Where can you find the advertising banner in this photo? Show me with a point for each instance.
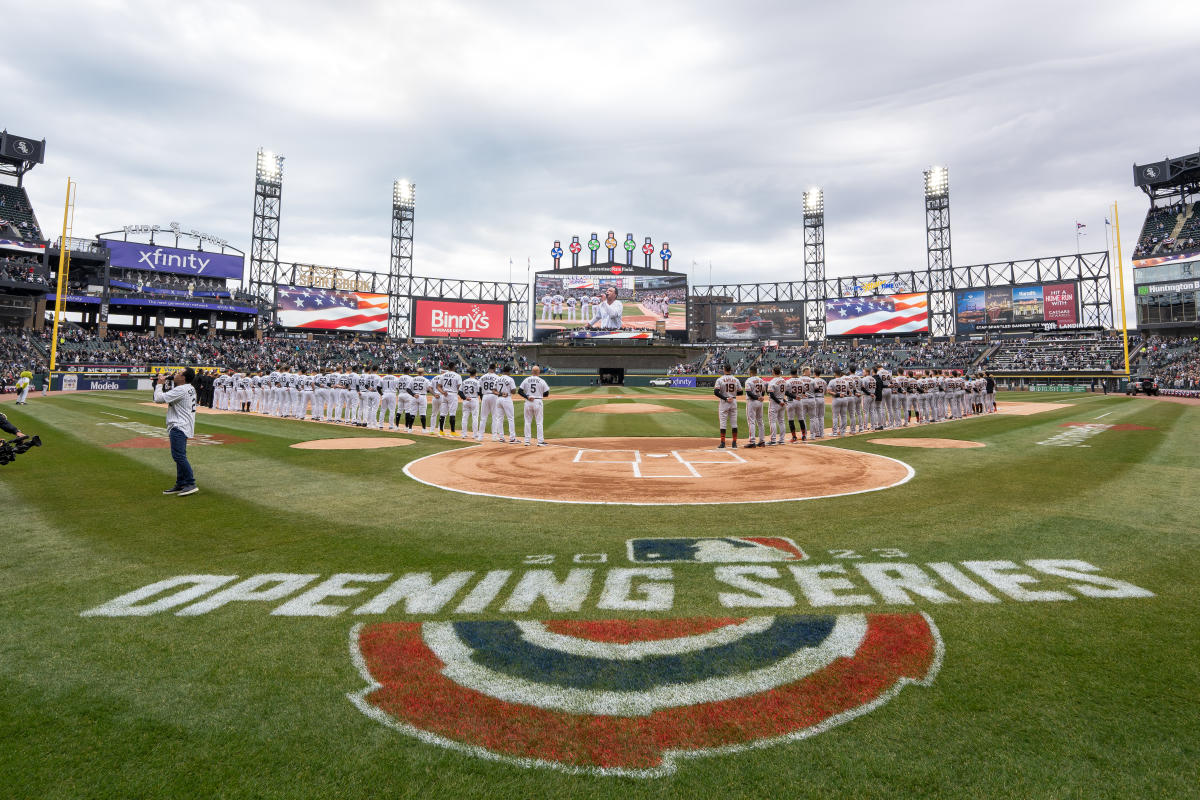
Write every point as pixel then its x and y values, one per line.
pixel 755 321
pixel 569 301
pixel 683 383
pixel 134 255
pixel 874 316
pixel 1014 308
pixel 190 304
pixel 463 319
pixel 331 309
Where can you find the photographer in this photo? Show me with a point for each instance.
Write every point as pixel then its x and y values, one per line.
pixel 181 425
pixel 8 427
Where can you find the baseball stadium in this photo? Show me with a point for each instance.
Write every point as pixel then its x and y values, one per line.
pixel 605 531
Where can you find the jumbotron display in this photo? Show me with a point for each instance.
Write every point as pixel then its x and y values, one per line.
pixel 748 322
pixel 609 300
pixel 1046 306
pixel 877 316
pixel 458 319
pixel 331 309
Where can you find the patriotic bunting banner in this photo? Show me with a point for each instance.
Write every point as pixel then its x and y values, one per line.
pixel 329 309
pixel 867 316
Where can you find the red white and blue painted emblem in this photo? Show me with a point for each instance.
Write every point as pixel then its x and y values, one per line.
pixel 631 697
pixel 714 549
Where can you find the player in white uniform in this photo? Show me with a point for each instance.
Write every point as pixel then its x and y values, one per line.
pixel 547 304
pixel 571 307
pixel 756 390
pixel 372 399
pixel 388 385
pixel 609 314
pixel 468 391
pixel 558 306
pixel 446 388
pixel 418 387
pixel 727 388
pixel 778 408
pixel 504 406
pixel 533 389
pixel 405 402
pixel 488 384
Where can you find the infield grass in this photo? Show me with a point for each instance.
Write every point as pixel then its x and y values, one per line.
pixel 1088 698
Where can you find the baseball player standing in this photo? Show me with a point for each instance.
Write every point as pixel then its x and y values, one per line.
pixel 755 388
pixel 488 385
pixel 405 402
pixel 388 385
pixel 504 406
pixel 469 392
pixel 839 387
pixel 795 391
pixel 727 388
pixel 777 411
pixel 534 389
pixel 817 422
pixel 372 399
pixel 418 387
pixel 446 387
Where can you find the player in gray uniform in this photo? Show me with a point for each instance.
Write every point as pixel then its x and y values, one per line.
pixel 727 388
pixel 794 389
pixel 468 392
pixel 446 388
pixel 488 384
pixel 778 406
pixel 504 405
pixel 839 387
pixel 853 409
pixel 882 409
pixel 533 389
pixel 756 389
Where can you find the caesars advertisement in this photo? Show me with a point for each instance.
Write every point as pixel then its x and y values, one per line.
pixel 1045 306
pixel 742 322
pixel 576 302
pixel 460 319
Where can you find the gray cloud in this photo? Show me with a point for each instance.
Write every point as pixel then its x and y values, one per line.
pixel 523 122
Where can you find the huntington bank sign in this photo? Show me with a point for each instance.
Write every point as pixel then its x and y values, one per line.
pixel 449 318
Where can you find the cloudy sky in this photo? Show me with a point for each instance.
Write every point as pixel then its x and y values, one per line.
pixel 700 123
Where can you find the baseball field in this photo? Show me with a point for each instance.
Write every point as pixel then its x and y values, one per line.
pixel 1009 610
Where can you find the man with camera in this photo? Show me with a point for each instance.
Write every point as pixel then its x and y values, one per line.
pixel 181 403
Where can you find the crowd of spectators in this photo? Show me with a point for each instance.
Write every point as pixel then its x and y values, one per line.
pixel 273 352
pixel 17 353
pixel 22 269
pixel 1173 361
pixel 1157 235
pixel 16 215
pixel 1093 352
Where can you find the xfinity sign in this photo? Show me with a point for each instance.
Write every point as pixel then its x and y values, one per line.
pixel 134 255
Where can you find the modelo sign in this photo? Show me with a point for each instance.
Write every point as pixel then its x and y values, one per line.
pixel 458 319
pixel 132 255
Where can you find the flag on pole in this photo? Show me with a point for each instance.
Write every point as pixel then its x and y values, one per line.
pixel 1079 226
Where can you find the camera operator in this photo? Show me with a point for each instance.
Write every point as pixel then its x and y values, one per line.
pixel 181 425
pixel 8 427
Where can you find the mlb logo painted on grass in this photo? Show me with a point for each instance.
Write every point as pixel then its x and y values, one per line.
pixel 622 697
pixel 714 550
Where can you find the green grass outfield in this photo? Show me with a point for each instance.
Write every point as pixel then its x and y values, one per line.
pixel 1078 696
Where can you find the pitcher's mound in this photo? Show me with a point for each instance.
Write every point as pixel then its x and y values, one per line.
pixel 950 444
pixel 657 471
pixel 626 408
pixel 356 443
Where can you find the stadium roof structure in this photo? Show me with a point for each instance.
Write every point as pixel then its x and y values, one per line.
pixel 1170 177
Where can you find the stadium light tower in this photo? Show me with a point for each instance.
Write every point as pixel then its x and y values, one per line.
pixel 264 229
pixel 937 246
pixel 404 205
pixel 814 263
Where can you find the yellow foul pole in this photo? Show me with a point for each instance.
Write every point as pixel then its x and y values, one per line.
pixel 1121 273
pixel 64 264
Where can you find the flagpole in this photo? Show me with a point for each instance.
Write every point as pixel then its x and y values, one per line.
pixel 1121 273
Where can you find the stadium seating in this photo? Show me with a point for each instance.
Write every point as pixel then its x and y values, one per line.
pixel 1159 235
pixel 1173 361
pixel 1059 353
pixel 16 215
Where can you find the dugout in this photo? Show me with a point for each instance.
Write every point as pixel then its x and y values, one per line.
pixel 612 376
